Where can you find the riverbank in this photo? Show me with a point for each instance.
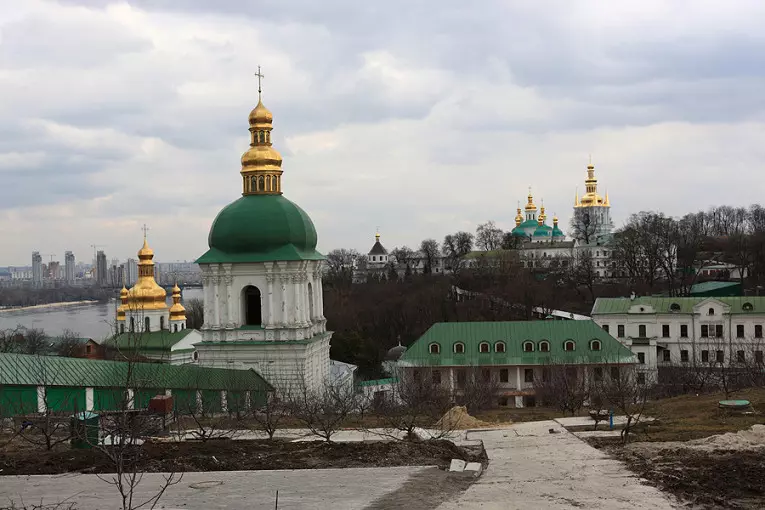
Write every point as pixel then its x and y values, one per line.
pixel 47 305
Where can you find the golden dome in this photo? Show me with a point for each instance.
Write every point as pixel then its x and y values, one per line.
pixel 518 216
pixel 260 114
pixel 123 303
pixel 177 311
pixel 591 198
pixel 146 294
pixel 530 205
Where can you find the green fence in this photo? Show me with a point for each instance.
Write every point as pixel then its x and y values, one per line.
pixel 18 400
pixel 63 398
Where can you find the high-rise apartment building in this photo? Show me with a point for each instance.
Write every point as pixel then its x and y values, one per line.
pixel 37 273
pixel 54 270
pixel 131 272
pixel 102 272
pixel 69 267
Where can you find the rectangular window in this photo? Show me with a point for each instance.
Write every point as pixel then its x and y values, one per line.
pixel 528 375
pixel 665 330
pixel 620 330
pixel 641 378
pixel 704 331
pixel 436 377
pixel 740 356
pixel 704 356
pixel 758 357
pixel 461 378
pixel 503 375
pixel 718 330
pixel 684 330
pixel 641 331
pixel 641 358
pixel 667 355
pixel 614 373
pixel 758 331
pixel 720 356
pixel 598 373
pixel 684 356
pixel 740 330
pixel 605 327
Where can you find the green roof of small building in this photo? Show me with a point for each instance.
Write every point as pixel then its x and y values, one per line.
pixel 715 288
pixel 260 228
pixel 154 341
pixel 605 306
pixel 31 370
pixel 514 335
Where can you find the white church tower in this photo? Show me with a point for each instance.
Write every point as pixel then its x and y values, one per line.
pixel 262 277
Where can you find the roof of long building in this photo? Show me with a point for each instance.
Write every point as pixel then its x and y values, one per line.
pixel 514 335
pixel 31 370
pixel 684 305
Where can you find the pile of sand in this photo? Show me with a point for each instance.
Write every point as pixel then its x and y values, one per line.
pixel 457 418
pixel 747 439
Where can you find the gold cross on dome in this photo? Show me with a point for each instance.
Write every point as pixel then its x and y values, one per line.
pixel 260 77
pixel 145 230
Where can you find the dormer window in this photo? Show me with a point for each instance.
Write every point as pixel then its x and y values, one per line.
pixel 674 307
pixel 711 311
pixel 747 307
pixel 459 348
pixel 595 345
pixel 544 346
pixel 484 347
pixel 528 346
pixel 434 349
pixel 499 347
pixel 569 345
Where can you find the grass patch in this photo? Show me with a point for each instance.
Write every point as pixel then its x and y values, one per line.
pixel 694 417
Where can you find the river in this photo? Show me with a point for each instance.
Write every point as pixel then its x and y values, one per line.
pixel 94 321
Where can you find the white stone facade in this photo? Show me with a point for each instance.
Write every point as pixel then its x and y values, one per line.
pixel 268 316
pixel 690 335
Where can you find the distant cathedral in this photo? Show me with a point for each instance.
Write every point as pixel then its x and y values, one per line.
pixel 533 227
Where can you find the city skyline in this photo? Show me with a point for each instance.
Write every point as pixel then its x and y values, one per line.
pixel 371 122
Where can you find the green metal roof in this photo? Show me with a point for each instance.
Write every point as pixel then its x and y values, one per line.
pixel 684 304
pixel 154 341
pixel 514 335
pixel 258 228
pixel 378 382
pixel 30 370
pixel 712 287
pixel 528 224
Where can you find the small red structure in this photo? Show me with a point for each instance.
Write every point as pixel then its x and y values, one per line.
pixel 161 404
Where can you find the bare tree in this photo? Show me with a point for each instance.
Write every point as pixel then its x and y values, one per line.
pixel 584 225
pixel 324 410
pixel 404 257
pixel 456 246
pixel 625 390
pixel 488 236
pixel 562 385
pixel 341 264
pixel 480 389
pixel 68 344
pixel 430 252
pixel 195 313
pixel 419 399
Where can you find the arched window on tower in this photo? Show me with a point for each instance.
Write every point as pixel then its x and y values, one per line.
pixel 162 323
pixel 122 328
pixel 310 301
pixel 268 183
pixel 132 324
pixel 261 183
pixel 146 324
pixel 251 302
pixel 175 328
pixel 268 137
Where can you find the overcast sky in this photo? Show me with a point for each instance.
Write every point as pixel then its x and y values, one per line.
pixel 421 117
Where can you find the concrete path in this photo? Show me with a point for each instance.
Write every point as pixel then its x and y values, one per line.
pixel 531 468
pixel 307 489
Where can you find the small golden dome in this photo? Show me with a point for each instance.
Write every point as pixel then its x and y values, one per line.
pixel 261 115
pixel 177 311
pixel 145 251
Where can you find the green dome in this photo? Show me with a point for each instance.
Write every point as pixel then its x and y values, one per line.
pixel 542 231
pixel 518 232
pixel 557 232
pixel 259 228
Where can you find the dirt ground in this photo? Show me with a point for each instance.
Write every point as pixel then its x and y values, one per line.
pixel 229 455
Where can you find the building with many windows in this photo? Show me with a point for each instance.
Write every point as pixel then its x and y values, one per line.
pixel 69 267
pixel 686 331
pixel 37 270
pixel 511 354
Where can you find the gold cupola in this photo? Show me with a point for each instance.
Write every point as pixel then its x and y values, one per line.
pixel 261 164
pixel 542 215
pixel 591 197
pixel 518 216
pixel 530 205
pixel 146 294
pixel 177 311
pixel 123 303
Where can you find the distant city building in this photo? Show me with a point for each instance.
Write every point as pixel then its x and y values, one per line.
pixel 69 267
pixel 37 273
pixel 131 272
pixel 101 269
pixel 178 272
pixel 20 273
pixel 54 270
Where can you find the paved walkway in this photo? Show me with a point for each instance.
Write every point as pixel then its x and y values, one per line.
pixel 531 468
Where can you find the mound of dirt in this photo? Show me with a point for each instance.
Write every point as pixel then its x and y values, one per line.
pixel 747 439
pixel 457 418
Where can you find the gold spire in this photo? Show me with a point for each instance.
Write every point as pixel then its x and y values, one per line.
pixel 177 311
pixel 607 203
pixel 261 164
pixel 518 216
pixel 576 198
pixel 591 197
pixel 123 302
pixel 542 215
pixel 555 220
pixel 146 294
pixel 377 235
pixel 530 205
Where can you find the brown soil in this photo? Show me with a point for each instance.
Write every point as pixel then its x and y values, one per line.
pixel 704 479
pixel 230 455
